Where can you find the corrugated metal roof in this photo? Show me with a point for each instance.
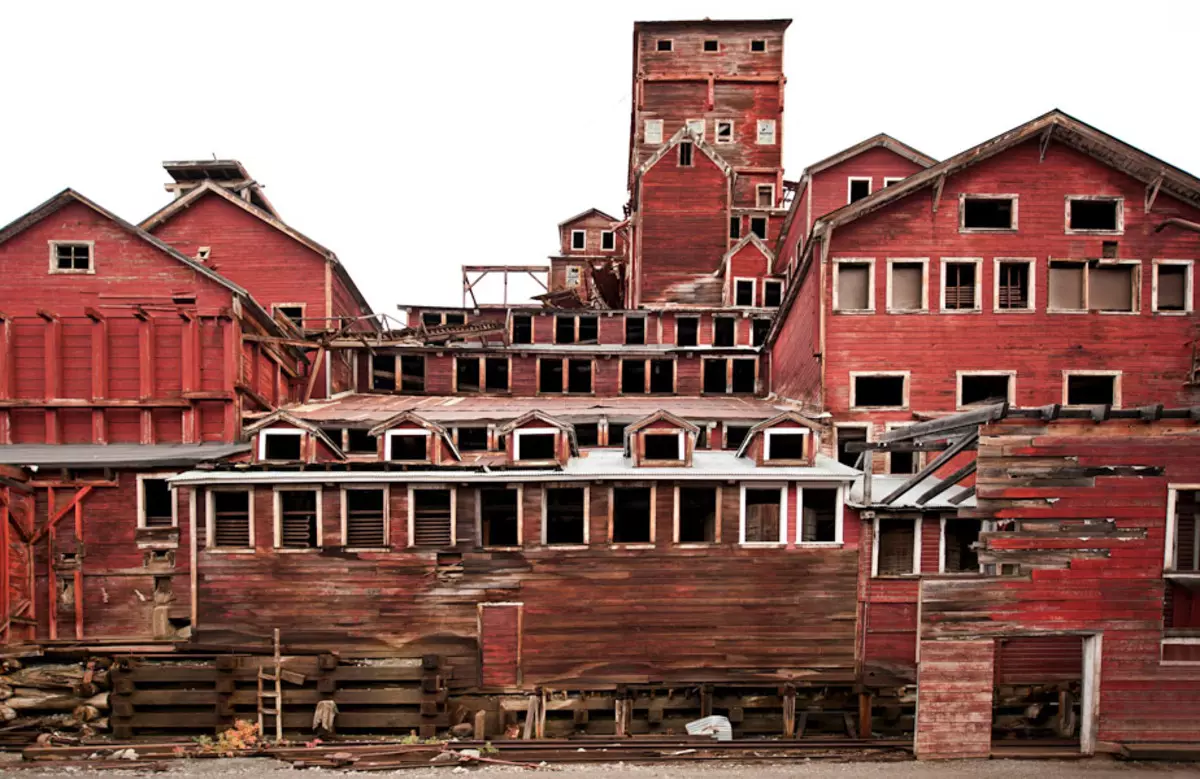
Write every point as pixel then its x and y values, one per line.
pixel 115 455
pixel 883 485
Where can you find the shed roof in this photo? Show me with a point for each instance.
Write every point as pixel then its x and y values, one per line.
pixel 116 455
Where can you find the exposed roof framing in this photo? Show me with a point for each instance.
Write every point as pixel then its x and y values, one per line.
pixel 231 173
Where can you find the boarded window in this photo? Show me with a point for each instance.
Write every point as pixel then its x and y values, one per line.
pixel 231 520
pixel 432 517
pixel 687 331
pixel 467 373
pixel 608 240
pixel 383 372
pixel 818 516
pixel 764 196
pixel 735 227
pixel 744 376
pixel 587 434
pixel 1172 287
pixel 772 293
pixel 409 447
pixel 766 132
pixel 758 226
pixel 360 441
pixel 859 188
pixel 550 374
pixel 496 374
pixel 156 503
pixel 1097 215
pixel 758 331
pixel 961 535
pixel 685 154
pixel 724 330
pixel 472 439
pixel 635 330
pixel 282 446
pixel 735 435
pixel 764 512
pixel 499 645
pixel 896 542
pixel 565 515
pixel 653 133
pixel 879 391
pixel 365 526
pixel 631 515
pixel 662 377
pixel 537 446
pixel 987 213
pixel 1013 286
pixel 853 286
pixel 633 377
pixel 785 445
pixel 985 388
pixel 412 373
pixel 579 376
pixel 1110 288
pixel 697 515
pixel 522 329
pixel 498 517
pixel 662 446
pixel 578 239
pixel 743 292
pixel 959 292
pixel 1085 390
pixel 564 329
pixel 1066 285
pixel 298 519
pixel 908 286
pixel 845 437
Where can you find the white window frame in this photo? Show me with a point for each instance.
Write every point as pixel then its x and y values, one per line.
pixel 387 444
pixel 279 431
pixel 520 488
pixel 1135 282
pixel 776 282
pixel 670 45
pixel 587 514
pixel 889 180
pixel 850 186
pixel 1188 288
pixel 855 375
pixel 978 263
pixel 918 457
pixel 717 131
pixel 303 311
pixel 1050 308
pixel 962 212
pixel 758 188
pixel 783 512
pixel 1118 199
pixel 210 520
pixel 652 132
pixel 750 46
pixel 583 248
pixel 704 49
pixel 870 428
pixel 753 293
pixel 839 511
pixel 766 227
pixel 681 447
pixel 716 519
pixel 277 505
pixel 412 511
pixel 696 127
pixel 870 263
pixel 203 253
pixel 924 262
pixel 958 385
pixel 984 527
pixel 765 125
pixel 611 237
pixel 91 268
pixel 917 532
pixel 768 435
pixel 1031 262
pixel 1170 562
pixel 1066 374
pixel 387 516
pixel 517 434
pixel 141 497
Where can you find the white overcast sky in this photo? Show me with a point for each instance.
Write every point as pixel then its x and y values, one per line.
pixel 414 138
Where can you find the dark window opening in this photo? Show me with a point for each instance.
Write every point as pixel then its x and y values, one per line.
pixel 758 331
pixel 902 463
pixel 685 154
pixel 293 313
pixel 758 226
pixel 1109 249
pixel 1091 390
pixel 1172 287
pixel 412 373
pixel 959 292
pixel 987 213
pixel 785 446
pixel 383 372
pixel 496 374
pixel 472 439
pixel 537 446
pixel 715 376
pixel 984 389
pixel 498 517
pixel 550 374
pixel 608 240
pixel 763 515
pixel 818 521
pixel 859 188
pixel 432 518
pixel 697 515
pixel 664 45
pixel 578 239
pixel 361 442
pixel 616 433
pixel 725 133
pixel 298 519
pixel 73 256
pixel 758 45
pixel 579 376
pixel 1095 215
pixel 1014 286
pixel 724 329
pixel 231 519
pixel 281 446
pixel 1066 286
pixel 633 377
pixel 365 526
pixel 429 319
pixel 772 294
pixel 587 434
pixel 961 537
pixel 878 391
pixel 1110 288
pixel 635 330
pixel 743 292
pixel 662 446
pixel 631 515
pixel 565 515
pixel 457 318
pixel 845 437
pixel 564 329
pixel 853 286
pixel 589 329
pixel 896 544
pixel 467 374
pixel 744 376
pixel 687 331
pixel 522 329
pixel 711 45
pixel 662 377
pixel 735 227
pixel 409 447
pixel 157 503
pixel 735 435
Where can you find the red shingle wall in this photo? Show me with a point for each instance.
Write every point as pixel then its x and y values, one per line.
pixel 954 709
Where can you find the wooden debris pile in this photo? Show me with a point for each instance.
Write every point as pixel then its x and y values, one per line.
pixel 37 700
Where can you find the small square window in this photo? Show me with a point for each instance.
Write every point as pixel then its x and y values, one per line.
pixel 360 441
pixel 281 445
pixel 616 433
pixel 906 286
pixel 696 127
pixel 71 256
pixel 857 189
pixel 845 437
pixel 608 240
pixel 587 434
pixel 432 319
pixel 1172 287
pixel 785 445
pixel 712 45
pixel 664 45
pixel 456 318
pixel 408 447
pixel 724 131
pixel 958 286
pixel 1013 286
pixel 1094 215
pixel 758 46
pixel 578 239
pixel 735 435
pixel 758 226
pixel 988 213
pixel 1112 288
pixel 294 313
pixel 766 132
pixel 589 329
pixel 472 439
pixel 1092 390
pixel 772 293
pixel 685 154
pixel 743 292
pixel 764 196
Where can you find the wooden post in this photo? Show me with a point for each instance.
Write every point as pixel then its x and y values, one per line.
pixel 5 561
pixel 789 711
pixel 480 732
pixel 864 715
pixel 121 702
pixel 51 579
pixel 79 552
pixel 706 700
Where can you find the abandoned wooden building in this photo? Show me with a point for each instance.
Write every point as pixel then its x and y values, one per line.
pixel 787 451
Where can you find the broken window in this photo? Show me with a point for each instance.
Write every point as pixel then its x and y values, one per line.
pixel 408 447
pixel 879 391
pixel 743 292
pixel 635 330
pixel 697 515
pixel 550 374
pixel 282 445
pixel 785 445
pixel 633 377
pixel 631 515
pixel 711 45
pixel 360 441
pixel 536 446
pixel 466 370
pixel 959 539
pixel 662 377
pixel 958 293
pixel 1094 215
pixel 522 329
pixel 984 388
pixel 365 524
pixel 663 446
pixel 735 436
pixel 907 286
pixel 890 180
pixel 685 154
pixel 566 515
pixel 845 437
pixel 579 376
pixel 857 189
pixel 664 44
pixel 432 517
pixel 231 519
pixel 608 240
pixel 653 133
pixel 759 328
pixel 766 132
pixel 1067 286
pixel 895 546
pixel 724 330
pixel 687 331
pixel 1111 288
pixel 696 127
pixel 772 293
pixel 495 374
pixel 758 45
pixel 758 226
pixel 383 372
pixel 853 280
pixel 295 314
pixel 587 434
pixel 498 516
pixel 1171 285
pixel 1091 390
pixel 298 519
pixel 745 375
pixel 1185 522
pixel 735 227
pixel 472 439
pixel 72 257
pixel 762 515
pixel 988 213
pixel 764 196
pixel 412 373
pixel 818 516
pixel 724 131
pixel 578 239
pixel 1012 286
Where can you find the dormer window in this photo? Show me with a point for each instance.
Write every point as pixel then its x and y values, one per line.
pixel 281 445
pixel 535 445
pixel 785 445
pixel 407 446
pixel 663 446
pixel 71 256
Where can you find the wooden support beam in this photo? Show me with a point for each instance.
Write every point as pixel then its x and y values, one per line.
pixel 961 497
pixel 937 191
pixel 1044 143
pixel 316 370
pixel 947 483
pixel 79 552
pixel 961 445
pixel 1152 192
pixel 864 715
pixel 947 425
pixel 53 516
pixel 5 566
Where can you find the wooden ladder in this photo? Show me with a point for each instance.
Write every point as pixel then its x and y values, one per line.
pixel 275 694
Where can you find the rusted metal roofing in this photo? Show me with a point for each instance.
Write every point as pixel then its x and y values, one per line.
pixel 115 455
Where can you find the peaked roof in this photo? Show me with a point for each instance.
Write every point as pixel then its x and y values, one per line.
pixel 308 427
pixel 882 140
pixel 408 416
pixel 588 212
pixel 530 416
pixel 750 239
pixel 786 416
pixel 681 135
pixel 662 415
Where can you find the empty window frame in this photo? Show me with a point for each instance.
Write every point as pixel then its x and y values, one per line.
pixel 633 377
pixel 631 515
pixel 763 514
pixel 908 285
pixel 784 444
pixel 535 444
pixel 724 331
pixel 735 227
pixel 431 516
pixel 499 516
pixel 958 553
pixel 857 187
pixel 383 372
pixel 758 46
pixel 820 515
pixel 635 330
pixel 522 329
pixel 496 371
pixel 766 132
pixel 1183 529
pixel 412 373
pixel 1172 287
pixel 729 376
pixel 712 45
pixel 297 518
pixel 759 226
pixel 744 292
pixel 662 377
pixel 890 180
pixel 578 240
pixel 664 44
pixel 1014 286
pixel 696 127
pixel 772 293
pixel 987 213
pixel 587 434
pixel 365 517
pixel 854 285
pixel 571 329
pixel 1095 214
pixel 406 446
pixel 615 435
pixel 608 240
pixel 977 387
pixel 724 131
pixel 579 377
pixel 687 331
pixel 155 501
pixel 471 439
pixel 550 375
pixel 850 434
pixel 666 446
pixel 564 515
pixel 759 328
pixel 697 514
pixel 685 154
pixel 896 548
pixel 360 441
pixel 72 256
pixel 281 445
pixel 1092 388
pixel 230 523
pixel 884 389
pixel 293 312
pixel 466 374
pixel 764 196
pixel 901 463
pixel 652 132
pixel 735 435
pixel 961 280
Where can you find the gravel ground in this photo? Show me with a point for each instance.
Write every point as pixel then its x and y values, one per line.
pixel 980 769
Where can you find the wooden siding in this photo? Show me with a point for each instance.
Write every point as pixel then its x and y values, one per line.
pixel 954 715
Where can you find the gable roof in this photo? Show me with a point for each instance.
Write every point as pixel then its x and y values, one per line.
pixel 408 416
pixel 588 212
pixel 662 415
pixel 786 416
pixel 308 427
pixel 681 135
pixel 749 239
pixel 530 416
pixel 882 140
